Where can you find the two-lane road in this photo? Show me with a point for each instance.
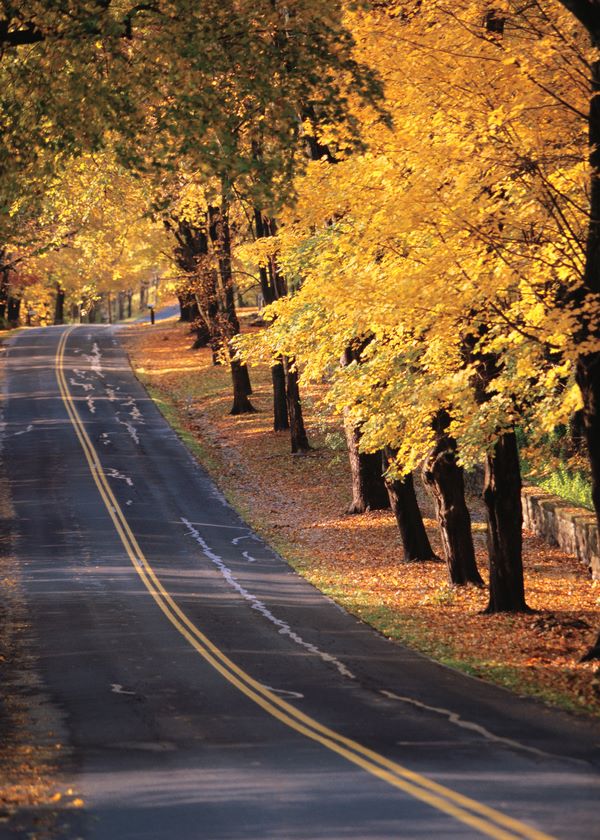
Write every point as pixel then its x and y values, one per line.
pixel 209 692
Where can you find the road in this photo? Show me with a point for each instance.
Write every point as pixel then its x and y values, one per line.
pixel 162 314
pixel 206 690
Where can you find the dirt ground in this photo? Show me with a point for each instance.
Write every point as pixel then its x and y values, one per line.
pixel 297 503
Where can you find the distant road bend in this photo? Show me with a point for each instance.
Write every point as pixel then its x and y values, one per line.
pixel 207 691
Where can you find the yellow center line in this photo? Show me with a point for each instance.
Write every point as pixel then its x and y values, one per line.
pixel 468 811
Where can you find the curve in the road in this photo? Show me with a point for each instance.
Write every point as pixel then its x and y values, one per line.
pixel 478 816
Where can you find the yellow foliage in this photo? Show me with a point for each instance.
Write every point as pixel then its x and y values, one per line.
pixel 97 232
pixel 454 236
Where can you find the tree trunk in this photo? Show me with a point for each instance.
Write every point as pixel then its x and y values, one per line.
pixel 245 376
pixel 502 497
pixel 199 304
pixel 59 305
pixel 143 296
pixel 299 438
pixel 4 287
pixel 202 334
pixel 588 379
pixel 221 238
pixel 403 501
pixel 272 286
pixel 369 491
pixel 368 487
pixel 188 308
pixel 13 311
pixel 129 301
pixel 281 420
pixel 121 306
pixel 241 403
pixel 183 313
pixel 588 364
pixel 593 652
pixel 444 477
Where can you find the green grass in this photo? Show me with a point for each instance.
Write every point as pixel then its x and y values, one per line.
pixel 572 486
pixel 172 415
pixel 546 466
pixel 414 634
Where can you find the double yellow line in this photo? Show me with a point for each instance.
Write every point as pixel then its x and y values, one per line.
pixel 487 821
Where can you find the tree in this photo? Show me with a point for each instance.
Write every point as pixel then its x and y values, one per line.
pixel 444 475
pixel 585 296
pixel 369 490
pixel 95 234
pixel 468 248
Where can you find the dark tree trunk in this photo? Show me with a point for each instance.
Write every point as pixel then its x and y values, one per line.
pixel 129 301
pixel 299 438
pixel 4 287
pixel 200 306
pixel 369 491
pixel 588 379
pixel 368 487
pixel 281 420
pixel 403 501
pixel 13 311
pixel 143 296
pixel 272 283
pixel 183 313
pixel 221 238
pixel 188 308
pixel 588 364
pixel 445 479
pixel 245 377
pixel 202 333
pixel 502 497
pixel 59 305
pixel 272 286
pixel 121 306
pixel 241 403
pixel 316 150
pixel 593 652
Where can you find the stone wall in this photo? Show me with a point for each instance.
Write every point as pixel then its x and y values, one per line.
pixel 572 528
pixel 558 522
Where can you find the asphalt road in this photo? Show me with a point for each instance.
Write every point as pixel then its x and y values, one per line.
pixel 207 691
pixel 161 314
